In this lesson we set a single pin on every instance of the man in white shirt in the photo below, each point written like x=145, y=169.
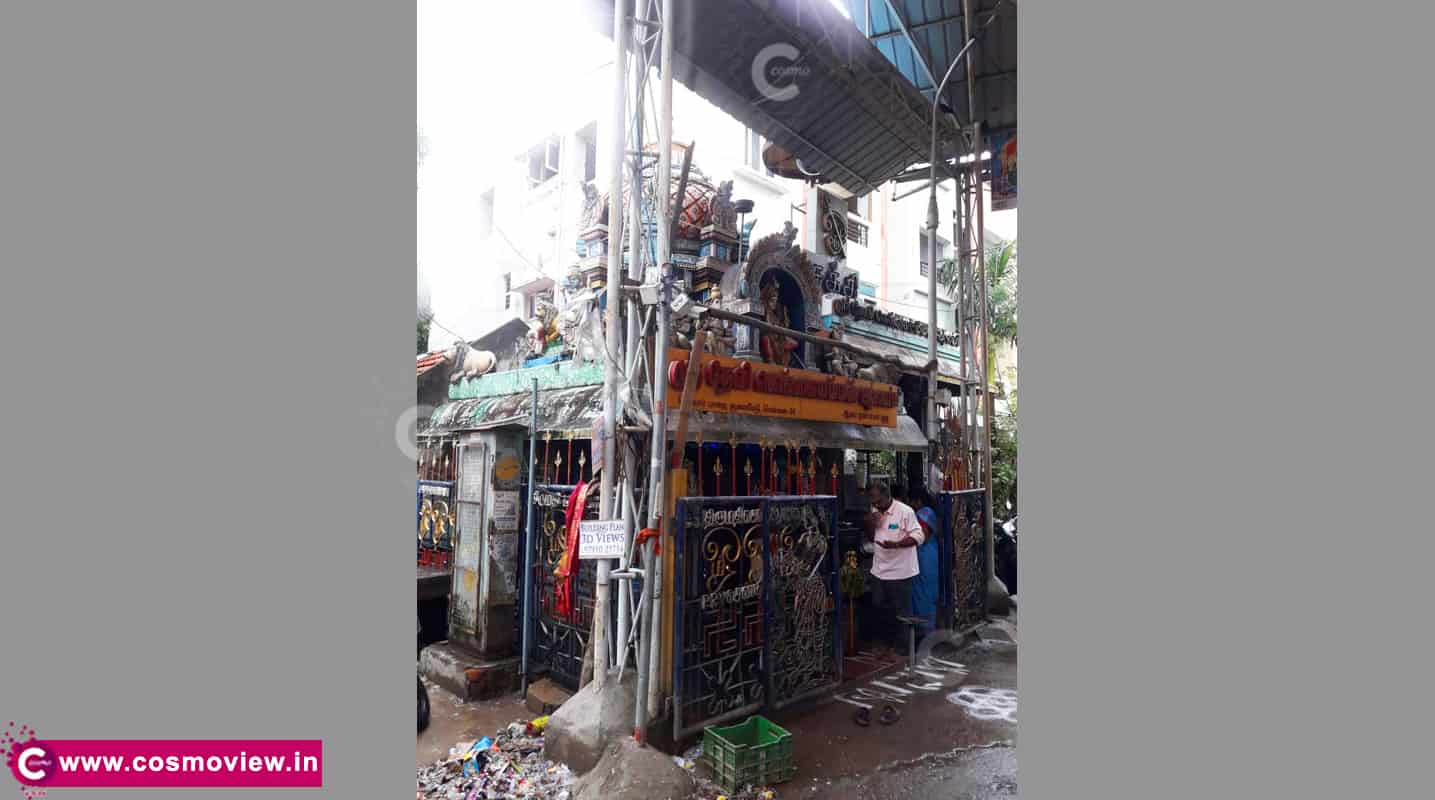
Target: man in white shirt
x=894, y=529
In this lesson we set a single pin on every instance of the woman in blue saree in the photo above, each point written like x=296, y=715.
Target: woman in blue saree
x=924, y=586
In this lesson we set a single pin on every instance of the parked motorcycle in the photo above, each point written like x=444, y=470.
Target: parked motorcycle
x=1005, y=546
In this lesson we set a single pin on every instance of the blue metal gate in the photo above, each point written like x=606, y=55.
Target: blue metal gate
x=757, y=606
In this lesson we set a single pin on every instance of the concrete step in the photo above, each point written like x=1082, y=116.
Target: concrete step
x=467, y=674
x=545, y=696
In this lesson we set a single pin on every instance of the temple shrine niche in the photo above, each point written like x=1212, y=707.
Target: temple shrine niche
x=775, y=284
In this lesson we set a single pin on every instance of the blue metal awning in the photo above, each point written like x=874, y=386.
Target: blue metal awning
x=921, y=37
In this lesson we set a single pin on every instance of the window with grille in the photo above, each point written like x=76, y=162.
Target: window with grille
x=944, y=252
x=856, y=232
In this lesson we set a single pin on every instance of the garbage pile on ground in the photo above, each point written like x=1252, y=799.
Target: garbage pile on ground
x=512, y=764
x=705, y=789
x=508, y=765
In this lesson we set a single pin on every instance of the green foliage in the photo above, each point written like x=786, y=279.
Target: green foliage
x=1001, y=292
x=1001, y=288
x=423, y=330
x=884, y=463
x=1004, y=465
x=1001, y=267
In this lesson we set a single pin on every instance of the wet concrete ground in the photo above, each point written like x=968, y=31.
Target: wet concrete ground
x=987, y=773
x=451, y=721
x=939, y=748
x=828, y=744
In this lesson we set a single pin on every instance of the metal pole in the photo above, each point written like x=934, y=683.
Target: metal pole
x=987, y=404
x=652, y=622
x=981, y=255
x=932, y=305
x=635, y=272
x=932, y=233
x=613, y=346
x=974, y=193
x=528, y=540
x=680, y=442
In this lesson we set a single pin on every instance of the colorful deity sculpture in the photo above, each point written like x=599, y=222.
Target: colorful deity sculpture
x=543, y=328
x=776, y=348
x=720, y=337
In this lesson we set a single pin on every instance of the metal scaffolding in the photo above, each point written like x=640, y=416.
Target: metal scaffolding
x=635, y=355
x=968, y=232
x=631, y=368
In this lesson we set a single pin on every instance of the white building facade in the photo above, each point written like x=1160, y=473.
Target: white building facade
x=526, y=219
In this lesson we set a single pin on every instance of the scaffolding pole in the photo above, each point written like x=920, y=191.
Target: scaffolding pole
x=635, y=273
x=981, y=256
x=651, y=621
x=613, y=344
x=972, y=195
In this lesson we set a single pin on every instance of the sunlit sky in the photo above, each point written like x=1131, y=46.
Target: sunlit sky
x=484, y=95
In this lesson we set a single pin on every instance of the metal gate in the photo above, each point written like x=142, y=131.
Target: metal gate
x=436, y=520
x=757, y=606
x=558, y=640
x=962, y=556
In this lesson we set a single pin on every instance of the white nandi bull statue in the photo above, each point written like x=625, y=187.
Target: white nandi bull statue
x=467, y=362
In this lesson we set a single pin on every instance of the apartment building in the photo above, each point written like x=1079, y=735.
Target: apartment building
x=527, y=217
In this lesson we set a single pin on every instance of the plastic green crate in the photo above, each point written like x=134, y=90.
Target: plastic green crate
x=754, y=751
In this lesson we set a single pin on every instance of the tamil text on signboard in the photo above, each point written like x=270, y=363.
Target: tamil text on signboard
x=732, y=386
x=600, y=539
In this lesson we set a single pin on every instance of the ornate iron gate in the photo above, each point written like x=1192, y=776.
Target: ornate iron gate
x=804, y=649
x=559, y=640
x=964, y=559
x=437, y=517
x=757, y=606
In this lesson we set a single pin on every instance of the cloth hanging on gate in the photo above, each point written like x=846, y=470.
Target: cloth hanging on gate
x=567, y=564
x=650, y=533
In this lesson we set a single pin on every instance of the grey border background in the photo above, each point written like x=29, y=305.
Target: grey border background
x=207, y=229
x=1224, y=448
x=208, y=234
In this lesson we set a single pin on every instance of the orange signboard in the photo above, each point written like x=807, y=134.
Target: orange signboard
x=732, y=386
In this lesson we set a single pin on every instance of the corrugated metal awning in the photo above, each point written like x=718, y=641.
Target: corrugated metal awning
x=560, y=410
x=853, y=118
x=907, y=436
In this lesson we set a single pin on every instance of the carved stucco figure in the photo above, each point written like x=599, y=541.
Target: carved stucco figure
x=467, y=362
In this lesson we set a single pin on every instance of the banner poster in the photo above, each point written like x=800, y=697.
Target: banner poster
x=1004, y=171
